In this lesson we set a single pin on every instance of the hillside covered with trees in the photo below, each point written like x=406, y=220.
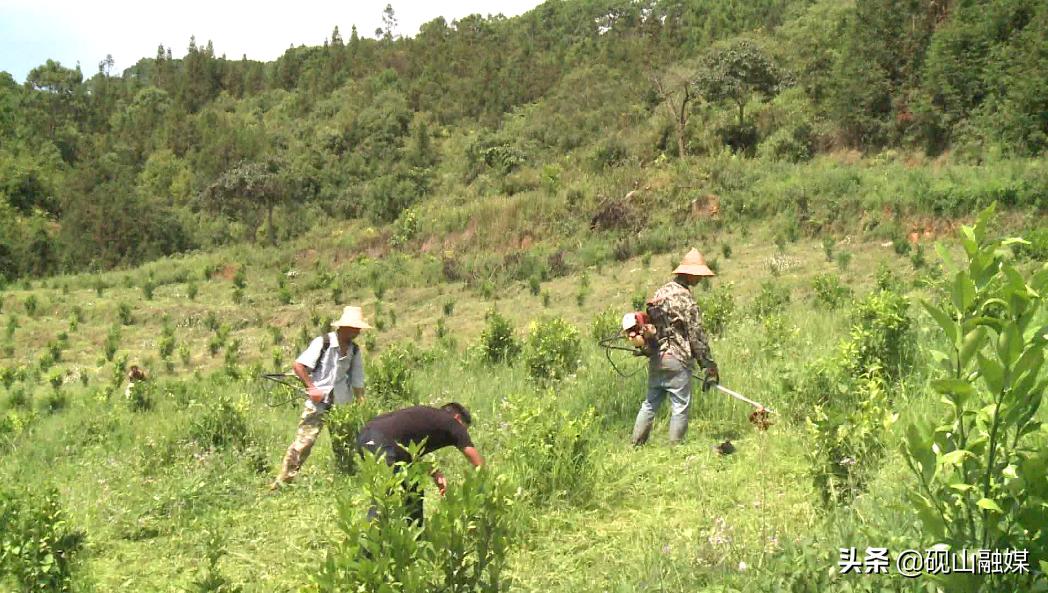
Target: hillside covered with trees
x=104, y=169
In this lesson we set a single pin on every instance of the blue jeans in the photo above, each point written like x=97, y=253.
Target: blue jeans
x=666, y=376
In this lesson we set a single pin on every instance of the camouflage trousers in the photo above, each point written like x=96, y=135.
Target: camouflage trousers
x=309, y=427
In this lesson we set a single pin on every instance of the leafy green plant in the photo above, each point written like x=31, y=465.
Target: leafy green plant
x=496, y=340
x=123, y=311
x=38, y=547
x=139, y=396
x=551, y=350
x=240, y=278
x=220, y=424
x=829, y=291
x=981, y=467
x=843, y=259
x=606, y=324
x=192, y=290
x=166, y=343
x=148, y=287
x=534, y=284
x=232, y=358
x=463, y=547
x=882, y=334
x=344, y=423
x=31, y=304
x=548, y=450
x=772, y=298
x=389, y=378
x=848, y=438
x=212, y=580
x=718, y=308
x=112, y=342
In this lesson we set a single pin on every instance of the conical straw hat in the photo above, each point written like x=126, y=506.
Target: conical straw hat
x=694, y=264
x=351, y=317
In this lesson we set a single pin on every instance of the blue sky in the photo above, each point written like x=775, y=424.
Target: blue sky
x=31, y=32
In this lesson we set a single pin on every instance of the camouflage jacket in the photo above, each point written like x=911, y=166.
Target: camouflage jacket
x=679, y=324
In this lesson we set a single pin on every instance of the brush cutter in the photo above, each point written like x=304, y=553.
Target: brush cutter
x=759, y=417
x=282, y=389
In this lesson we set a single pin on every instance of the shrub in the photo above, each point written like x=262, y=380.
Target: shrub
x=882, y=334
x=18, y=398
x=462, y=548
x=112, y=343
x=981, y=466
x=344, y=423
x=123, y=311
x=389, y=378
x=848, y=439
x=37, y=545
x=7, y=377
x=405, y=228
x=548, y=450
x=232, y=358
x=843, y=259
x=534, y=284
x=191, y=291
x=772, y=298
x=610, y=153
x=31, y=304
x=55, y=349
x=827, y=248
x=240, y=278
x=917, y=258
x=449, y=307
x=496, y=340
x=212, y=580
x=138, y=396
x=606, y=324
x=166, y=343
x=219, y=424
x=552, y=349
x=1036, y=246
x=211, y=321
x=829, y=291
x=717, y=308
x=148, y=287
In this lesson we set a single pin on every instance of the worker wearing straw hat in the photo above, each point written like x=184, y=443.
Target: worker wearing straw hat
x=681, y=340
x=332, y=369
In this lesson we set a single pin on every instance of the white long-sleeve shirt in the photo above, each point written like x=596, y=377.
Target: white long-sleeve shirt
x=337, y=371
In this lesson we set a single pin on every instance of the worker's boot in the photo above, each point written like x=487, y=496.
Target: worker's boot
x=641, y=432
x=678, y=428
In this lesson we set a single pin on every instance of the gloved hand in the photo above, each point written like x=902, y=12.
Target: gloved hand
x=712, y=378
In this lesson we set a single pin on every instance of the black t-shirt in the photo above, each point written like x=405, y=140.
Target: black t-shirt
x=398, y=429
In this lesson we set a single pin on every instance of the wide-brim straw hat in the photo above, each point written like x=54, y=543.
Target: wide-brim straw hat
x=351, y=317
x=694, y=264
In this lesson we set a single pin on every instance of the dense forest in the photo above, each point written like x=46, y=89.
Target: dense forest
x=105, y=169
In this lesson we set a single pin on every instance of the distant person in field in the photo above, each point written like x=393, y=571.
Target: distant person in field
x=681, y=341
x=390, y=434
x=135, y=375
x=332, y=369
